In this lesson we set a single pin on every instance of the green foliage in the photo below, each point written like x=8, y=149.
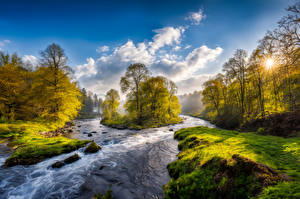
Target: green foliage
x=110, y=105
x=47, y=92
x=151, y=101
x=250, y=88
x=205, y=152
x=33, y=147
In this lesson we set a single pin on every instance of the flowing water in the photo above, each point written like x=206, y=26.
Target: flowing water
x=132, y=162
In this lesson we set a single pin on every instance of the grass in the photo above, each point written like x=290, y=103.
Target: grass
x=31, y=147
x=200, y=145
x=123, y=122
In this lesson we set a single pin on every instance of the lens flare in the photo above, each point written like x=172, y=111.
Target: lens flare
x=269, y=63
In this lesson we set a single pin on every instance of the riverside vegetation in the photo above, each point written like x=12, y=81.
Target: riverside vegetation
x=215, y=163
x=37, y=99
x=261, y=85
x=151, y=101
x=258, y=94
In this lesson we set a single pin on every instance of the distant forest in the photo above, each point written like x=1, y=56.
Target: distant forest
x=191, y=103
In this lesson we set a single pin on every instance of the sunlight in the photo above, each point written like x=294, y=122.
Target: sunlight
x=269, y=63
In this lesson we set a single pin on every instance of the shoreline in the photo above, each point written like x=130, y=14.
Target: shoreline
x=34, y=141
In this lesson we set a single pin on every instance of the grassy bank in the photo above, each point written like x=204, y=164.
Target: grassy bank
x=31, y=147
x=216, y=163
x=123, y=122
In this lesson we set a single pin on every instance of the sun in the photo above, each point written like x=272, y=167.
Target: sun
x=269, y=63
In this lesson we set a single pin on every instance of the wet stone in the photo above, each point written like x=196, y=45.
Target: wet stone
x=72, y=159
x=58, y=164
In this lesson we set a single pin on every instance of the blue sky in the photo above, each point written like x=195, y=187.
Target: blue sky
x=184, y=40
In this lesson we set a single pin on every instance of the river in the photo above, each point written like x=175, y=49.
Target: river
x=132, y=162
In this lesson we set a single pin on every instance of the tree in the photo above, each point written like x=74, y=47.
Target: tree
x=13, y=59
x=235, y=69
x=131, y=84
x=58, y=96
x=110, y=105
x=157, y=102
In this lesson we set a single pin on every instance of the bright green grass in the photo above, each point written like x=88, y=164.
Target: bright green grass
x=31, y=147
x=281, y=154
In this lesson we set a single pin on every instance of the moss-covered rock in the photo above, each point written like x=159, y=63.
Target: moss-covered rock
x=92, y=148
x=72, y=159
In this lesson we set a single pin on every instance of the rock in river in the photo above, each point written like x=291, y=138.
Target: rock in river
x=92, y=148
x=68, y=160
x=72, y=158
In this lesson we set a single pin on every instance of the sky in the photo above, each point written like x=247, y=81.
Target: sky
x=186, y=41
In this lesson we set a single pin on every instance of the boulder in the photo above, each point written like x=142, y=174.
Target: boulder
x=104, y=132
x=58, y=164
x=94, y=132
x=171, y=129
x=92, y=148
x=90, y=135
x=72, y=159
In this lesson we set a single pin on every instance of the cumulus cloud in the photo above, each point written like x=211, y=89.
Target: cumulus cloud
x=165, y=36
x=102, y=49
x=195, y=17
x=161, y=55
x=104, y=73
x=195, y=60
x=30, y=61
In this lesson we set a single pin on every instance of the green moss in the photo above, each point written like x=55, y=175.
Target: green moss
x=31, y=147
x=208, y=146
x=107, y=195
x=92, y=148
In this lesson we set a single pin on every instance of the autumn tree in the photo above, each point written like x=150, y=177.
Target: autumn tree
x=56, y=95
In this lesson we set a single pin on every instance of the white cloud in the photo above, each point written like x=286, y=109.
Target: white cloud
x=100, y=75
x=195, y=60
x=87, y=70
x=102, y=49
x=165, y=36
x=103, y=74
x=196, y=17
x=30, y=60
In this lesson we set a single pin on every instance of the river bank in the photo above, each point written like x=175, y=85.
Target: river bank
x=134, y=163
x=216, y=163
x=34, y=141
